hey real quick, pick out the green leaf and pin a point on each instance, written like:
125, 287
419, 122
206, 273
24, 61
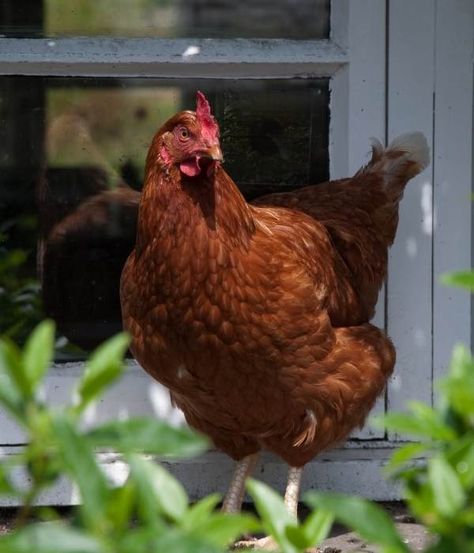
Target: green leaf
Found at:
366, 518
38, 353
50, 537
272, 510
462, 457
419, 424
11, 398
200, 511
6, 487
404, 454
159, 488
449, 497
317, 526
222, 529
297, 537
176, 542
121, 505
11, 365
462, 279
80, 463
458, 387
103, 367
147, 436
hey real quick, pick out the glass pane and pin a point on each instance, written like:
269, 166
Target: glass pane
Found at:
72, 153
297, 19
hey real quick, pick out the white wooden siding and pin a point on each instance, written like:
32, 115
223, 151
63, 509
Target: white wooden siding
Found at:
453, 175
410, 92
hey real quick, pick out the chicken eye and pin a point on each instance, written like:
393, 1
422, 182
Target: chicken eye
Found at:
183, 132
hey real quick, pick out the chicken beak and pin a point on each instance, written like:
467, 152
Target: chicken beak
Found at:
213, 152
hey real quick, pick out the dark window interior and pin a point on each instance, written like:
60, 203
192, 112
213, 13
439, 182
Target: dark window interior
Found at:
293, 19
71, 166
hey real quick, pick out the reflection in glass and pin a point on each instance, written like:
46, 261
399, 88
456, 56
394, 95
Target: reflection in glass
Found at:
71, 169
296, 19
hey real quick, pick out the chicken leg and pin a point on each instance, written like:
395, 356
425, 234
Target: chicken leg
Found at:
292, 493
235, 494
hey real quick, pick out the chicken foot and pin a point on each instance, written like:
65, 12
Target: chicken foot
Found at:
235, 494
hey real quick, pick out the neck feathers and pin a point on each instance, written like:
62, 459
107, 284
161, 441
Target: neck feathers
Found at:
176, 209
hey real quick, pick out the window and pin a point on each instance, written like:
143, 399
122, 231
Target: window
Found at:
291, 92
69, 140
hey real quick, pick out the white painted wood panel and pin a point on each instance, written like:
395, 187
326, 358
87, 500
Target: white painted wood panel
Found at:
410, 108
453, 174
146, 57
353, 471
135, 394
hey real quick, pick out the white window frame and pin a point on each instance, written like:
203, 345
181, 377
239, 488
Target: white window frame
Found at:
389, 74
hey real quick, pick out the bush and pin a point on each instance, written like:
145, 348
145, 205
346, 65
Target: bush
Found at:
439, 489
149, 512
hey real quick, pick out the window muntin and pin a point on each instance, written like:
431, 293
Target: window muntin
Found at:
295, 19
69, 142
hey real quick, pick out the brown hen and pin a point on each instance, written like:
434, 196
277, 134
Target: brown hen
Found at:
256, 316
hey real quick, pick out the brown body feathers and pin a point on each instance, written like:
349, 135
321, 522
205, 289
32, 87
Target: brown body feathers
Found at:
256, 316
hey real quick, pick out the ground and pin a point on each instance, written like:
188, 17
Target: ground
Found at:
415, 536
341, 541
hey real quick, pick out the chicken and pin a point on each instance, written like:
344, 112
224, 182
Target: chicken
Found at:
256, 316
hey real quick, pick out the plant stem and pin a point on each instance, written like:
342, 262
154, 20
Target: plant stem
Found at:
27, 506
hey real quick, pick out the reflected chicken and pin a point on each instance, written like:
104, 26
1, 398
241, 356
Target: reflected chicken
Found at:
256, 316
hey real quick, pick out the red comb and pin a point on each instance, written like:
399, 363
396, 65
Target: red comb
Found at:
204, 115
203, 109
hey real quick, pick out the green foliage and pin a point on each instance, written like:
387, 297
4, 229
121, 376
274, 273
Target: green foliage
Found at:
439, 488
148, 512
290, 536
372, 523
20, 305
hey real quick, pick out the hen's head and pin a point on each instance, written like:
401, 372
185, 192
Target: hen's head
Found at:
190, 140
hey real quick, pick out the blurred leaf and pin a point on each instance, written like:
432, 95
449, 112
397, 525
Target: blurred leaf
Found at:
38, 352
222, 529
161, 489
121, 504
462, 457
317, 526
10, 397
200, 511
462, 279
11, 364
50, 537
297, 537
458, 387
148, 436
272, 510
366, 518
174, 541
6, 487
449, 497
404, 454
81, 465
462, 364
420, 424
103, 367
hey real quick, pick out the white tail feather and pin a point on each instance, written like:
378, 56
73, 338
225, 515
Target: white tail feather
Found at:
406, 156
415, 146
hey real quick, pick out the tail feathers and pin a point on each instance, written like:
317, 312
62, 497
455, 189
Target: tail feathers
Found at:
406, 156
